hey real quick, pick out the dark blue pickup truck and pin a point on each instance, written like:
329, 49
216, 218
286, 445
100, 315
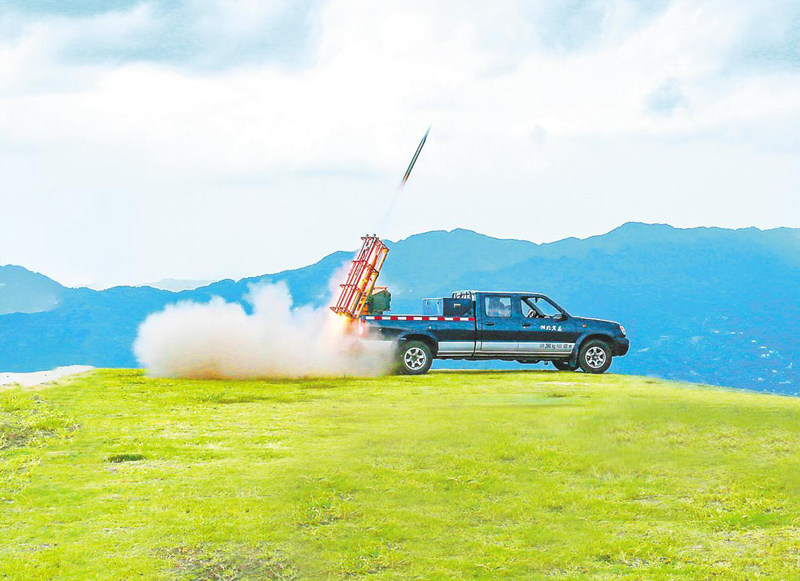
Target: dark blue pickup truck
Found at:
512, 326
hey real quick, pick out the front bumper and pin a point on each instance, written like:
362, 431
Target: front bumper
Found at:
621, 346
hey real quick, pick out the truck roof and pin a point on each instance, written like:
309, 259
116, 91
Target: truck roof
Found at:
466, 293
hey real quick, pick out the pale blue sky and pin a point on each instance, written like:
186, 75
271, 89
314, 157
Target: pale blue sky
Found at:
221, 138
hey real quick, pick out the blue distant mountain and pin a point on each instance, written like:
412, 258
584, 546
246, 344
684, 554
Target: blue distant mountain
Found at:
707, 305
23, 291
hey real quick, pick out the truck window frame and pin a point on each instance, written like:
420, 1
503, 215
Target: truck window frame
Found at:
532, 305
499, 297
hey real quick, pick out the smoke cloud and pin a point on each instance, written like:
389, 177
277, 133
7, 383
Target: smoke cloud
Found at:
222, 340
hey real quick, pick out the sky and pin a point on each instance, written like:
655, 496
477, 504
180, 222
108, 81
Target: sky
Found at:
208, 139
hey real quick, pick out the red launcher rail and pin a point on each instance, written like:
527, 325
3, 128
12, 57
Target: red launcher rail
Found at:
364, 271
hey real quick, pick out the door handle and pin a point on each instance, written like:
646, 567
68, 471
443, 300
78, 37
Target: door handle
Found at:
489, 324
526, 324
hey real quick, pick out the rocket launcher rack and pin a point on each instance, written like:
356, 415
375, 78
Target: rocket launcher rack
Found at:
364, 271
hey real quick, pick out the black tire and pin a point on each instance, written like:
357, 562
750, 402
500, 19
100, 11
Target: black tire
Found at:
595, 356
414, 358
563, 366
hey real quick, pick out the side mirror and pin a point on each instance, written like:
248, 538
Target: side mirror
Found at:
563, 317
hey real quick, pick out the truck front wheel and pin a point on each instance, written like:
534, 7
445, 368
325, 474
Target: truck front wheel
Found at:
595, 356
414, 358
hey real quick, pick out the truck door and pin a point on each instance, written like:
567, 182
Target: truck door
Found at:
499, 324
547, 330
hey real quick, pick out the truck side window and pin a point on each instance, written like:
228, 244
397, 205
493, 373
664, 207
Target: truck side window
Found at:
498, 307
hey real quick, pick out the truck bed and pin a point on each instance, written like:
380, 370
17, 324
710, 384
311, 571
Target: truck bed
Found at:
453, 336
415, 318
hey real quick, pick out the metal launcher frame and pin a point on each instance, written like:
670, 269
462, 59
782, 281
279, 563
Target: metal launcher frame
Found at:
364, 271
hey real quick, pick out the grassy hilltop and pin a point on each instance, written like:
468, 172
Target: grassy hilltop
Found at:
486, 475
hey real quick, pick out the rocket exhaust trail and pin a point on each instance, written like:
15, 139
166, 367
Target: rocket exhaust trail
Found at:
366, 265
404, 180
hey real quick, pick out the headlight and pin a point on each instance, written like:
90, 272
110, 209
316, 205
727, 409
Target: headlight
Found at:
621, 328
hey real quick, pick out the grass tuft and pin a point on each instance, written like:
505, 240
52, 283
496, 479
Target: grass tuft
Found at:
126, 457
230, 564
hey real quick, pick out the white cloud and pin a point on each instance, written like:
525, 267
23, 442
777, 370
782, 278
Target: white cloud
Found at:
543, 127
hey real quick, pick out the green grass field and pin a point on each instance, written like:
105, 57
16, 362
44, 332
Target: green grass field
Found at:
485, 475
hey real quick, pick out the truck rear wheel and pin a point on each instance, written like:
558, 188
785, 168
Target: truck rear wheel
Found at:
595, 356
414, 358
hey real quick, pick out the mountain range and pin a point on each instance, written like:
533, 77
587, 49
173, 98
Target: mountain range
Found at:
708, 305
23, 291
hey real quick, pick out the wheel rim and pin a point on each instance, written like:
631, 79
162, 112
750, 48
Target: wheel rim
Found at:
595, 357
415, 358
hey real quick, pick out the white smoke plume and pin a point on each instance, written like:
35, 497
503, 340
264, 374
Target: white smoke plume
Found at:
221, 340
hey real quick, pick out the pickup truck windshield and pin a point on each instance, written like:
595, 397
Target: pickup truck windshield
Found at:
538, 307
